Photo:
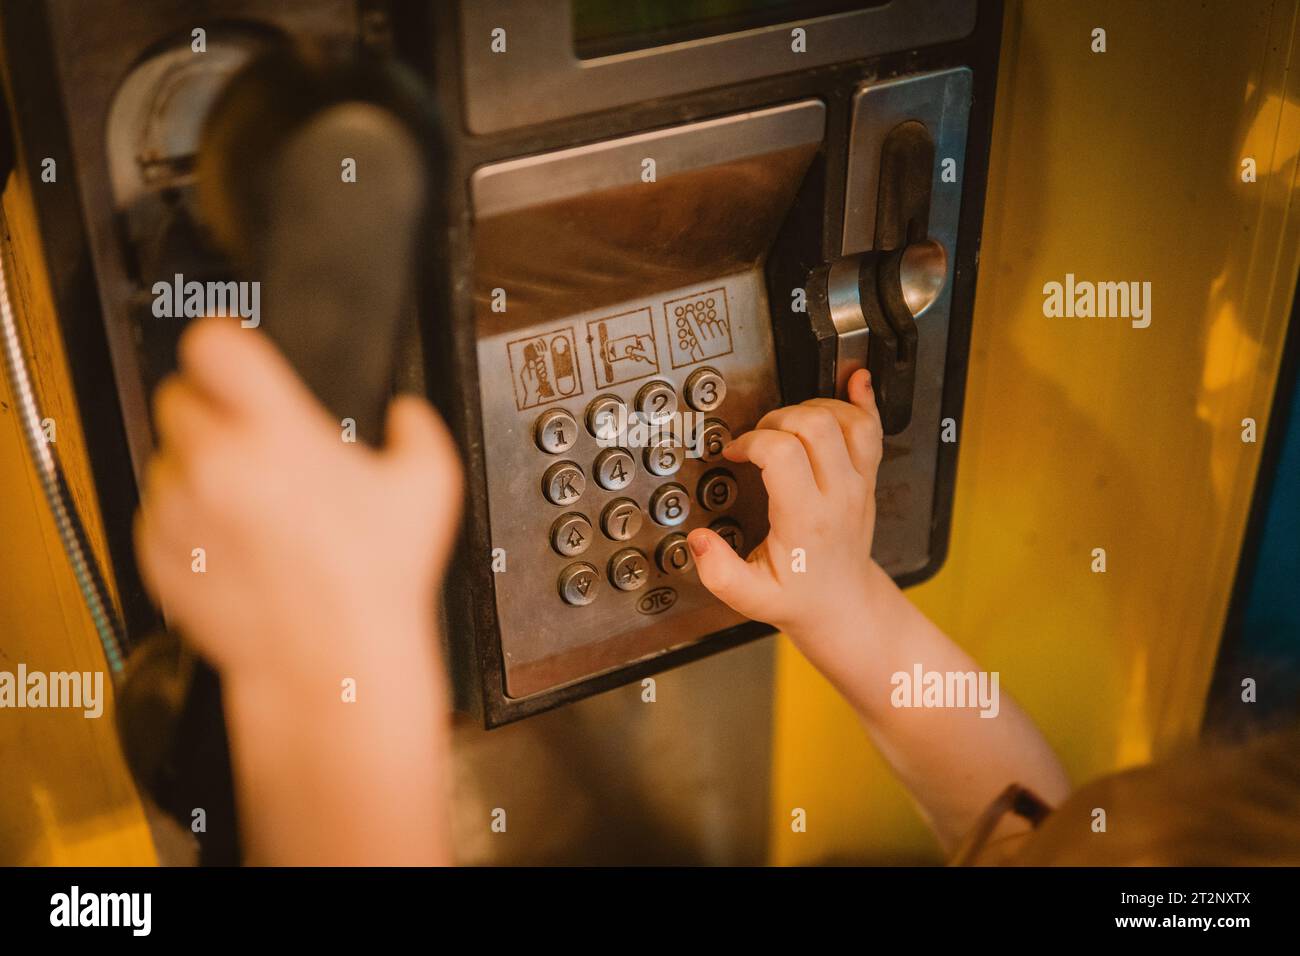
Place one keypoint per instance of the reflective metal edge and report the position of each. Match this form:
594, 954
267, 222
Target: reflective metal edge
516, 184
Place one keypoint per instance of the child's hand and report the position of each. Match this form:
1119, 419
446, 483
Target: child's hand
819, 462
321, 557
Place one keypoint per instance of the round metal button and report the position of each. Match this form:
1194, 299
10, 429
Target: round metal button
657, 402
629, 569
663, 456
670, 505
705, 389
555, 431
563, 483
713, 437
571, 534
604, 415
614, 469
729, 532
621, 519
578, 583
717, 491
674, 555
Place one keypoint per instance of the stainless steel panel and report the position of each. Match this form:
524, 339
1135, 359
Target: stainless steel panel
616, 780
546, 642
564, 174
539, 78
613, 284
905, 490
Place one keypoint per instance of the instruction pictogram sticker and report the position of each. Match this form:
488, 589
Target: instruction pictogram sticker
545, 368
623, 347
699, 327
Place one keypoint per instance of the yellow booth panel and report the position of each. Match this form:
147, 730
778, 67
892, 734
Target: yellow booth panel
1086, 433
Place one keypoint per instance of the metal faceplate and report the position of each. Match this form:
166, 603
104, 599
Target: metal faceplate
905, 488
594, 279
545, 641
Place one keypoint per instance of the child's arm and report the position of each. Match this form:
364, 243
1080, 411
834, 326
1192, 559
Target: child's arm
315, 599
819, 462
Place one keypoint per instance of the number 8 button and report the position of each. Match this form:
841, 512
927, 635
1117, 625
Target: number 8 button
670, 505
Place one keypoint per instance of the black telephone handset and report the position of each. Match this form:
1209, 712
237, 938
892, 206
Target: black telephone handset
315, 180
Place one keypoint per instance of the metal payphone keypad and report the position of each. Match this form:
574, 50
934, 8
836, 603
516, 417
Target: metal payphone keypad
589, 504
614, 469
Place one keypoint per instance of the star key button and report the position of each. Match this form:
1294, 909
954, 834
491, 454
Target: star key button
629, 569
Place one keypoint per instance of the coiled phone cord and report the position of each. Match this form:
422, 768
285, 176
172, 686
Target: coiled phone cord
72, 532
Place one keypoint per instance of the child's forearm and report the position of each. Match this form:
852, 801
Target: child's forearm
952, 760
324, 779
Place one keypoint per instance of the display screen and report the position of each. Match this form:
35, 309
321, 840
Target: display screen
606, 27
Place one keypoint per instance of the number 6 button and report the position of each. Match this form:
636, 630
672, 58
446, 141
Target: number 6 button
670, 505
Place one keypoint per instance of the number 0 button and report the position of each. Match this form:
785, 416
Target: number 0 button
705, 389
670, 505
578, 583
674, 555
563, 483
718, 490
571, 534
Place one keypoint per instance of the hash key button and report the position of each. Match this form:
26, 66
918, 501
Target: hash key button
563, 483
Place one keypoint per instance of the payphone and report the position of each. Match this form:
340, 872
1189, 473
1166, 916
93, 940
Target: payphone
650, 228
787, 196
